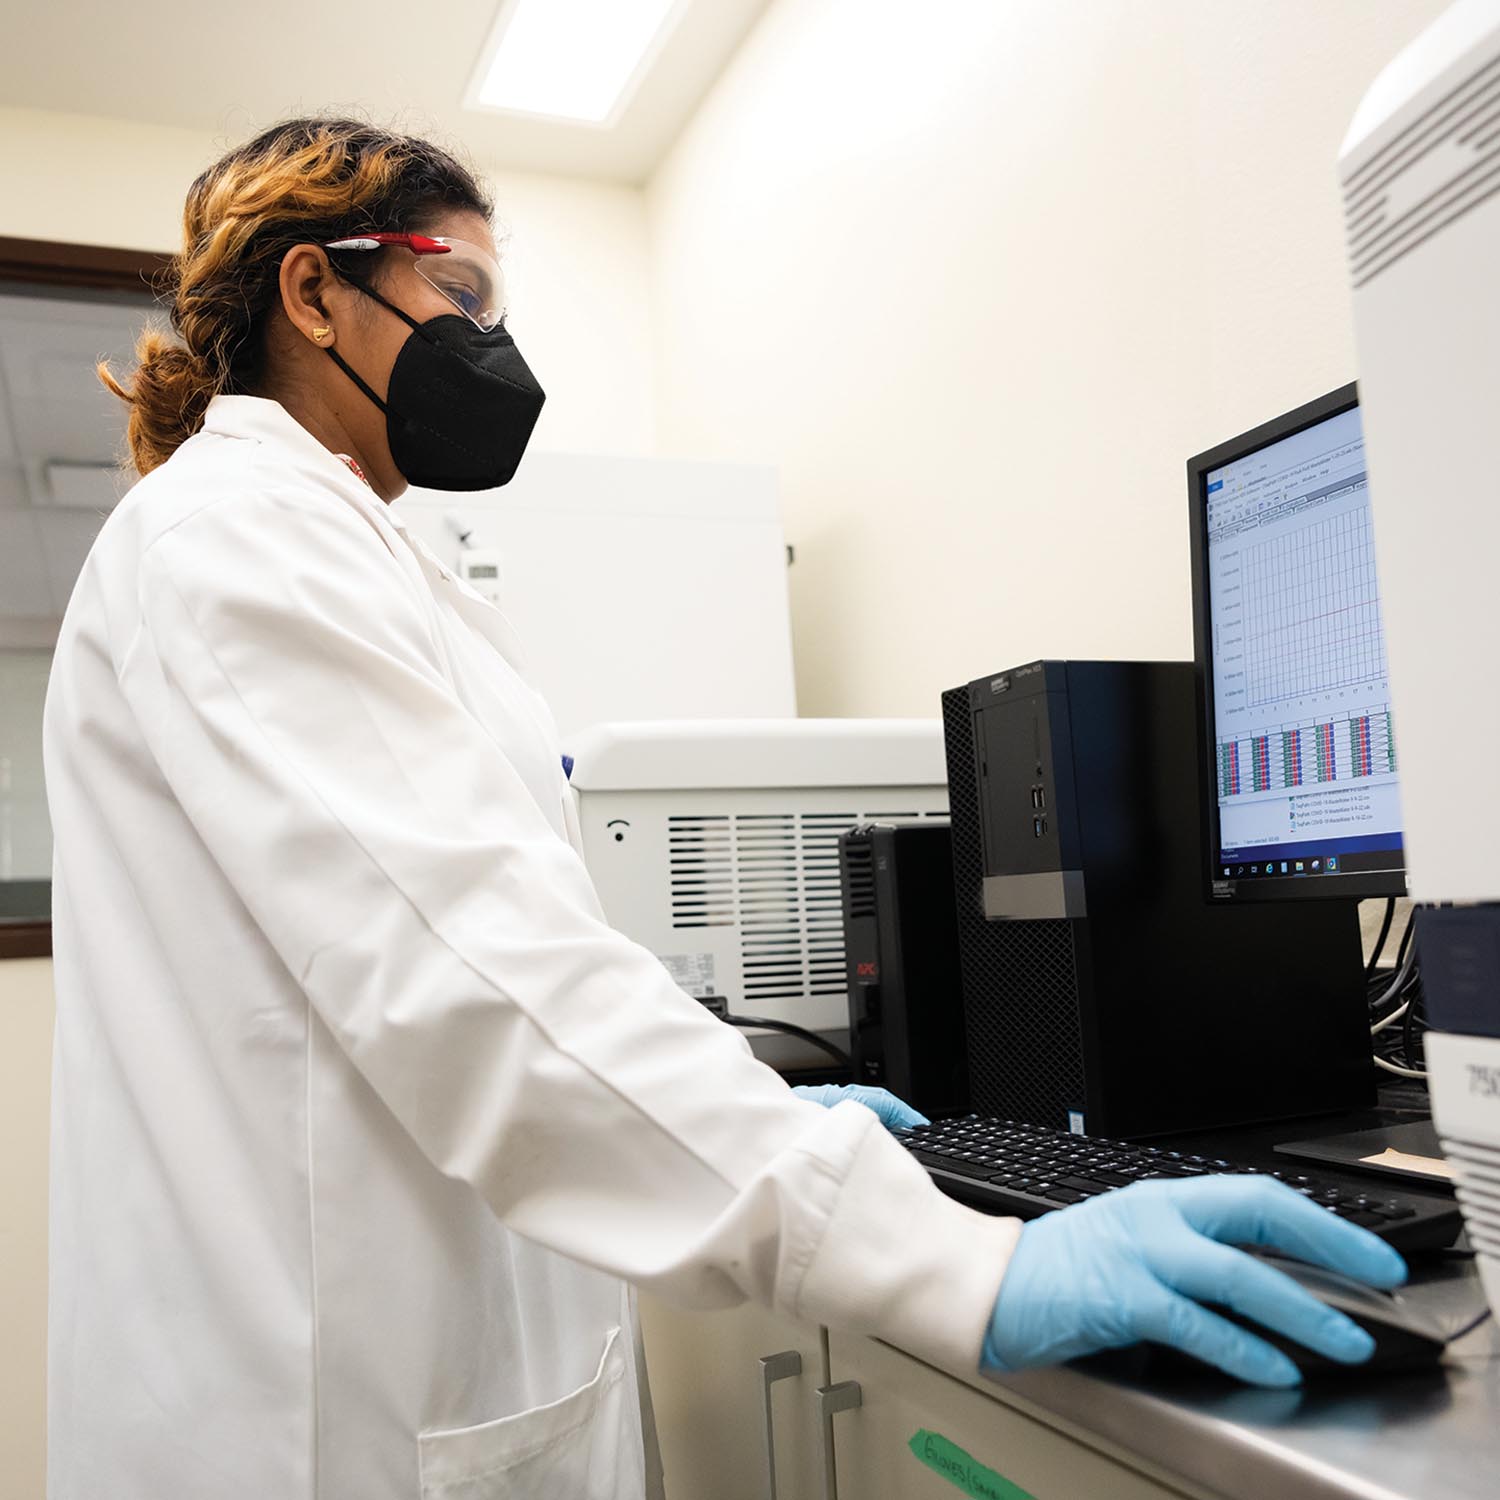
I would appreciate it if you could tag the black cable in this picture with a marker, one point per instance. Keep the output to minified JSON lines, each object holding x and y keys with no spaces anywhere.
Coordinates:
{"x":1393,"y":989}
{"x":811,"y":1037}
{"x":1385,"y":932}
{"x":1408,"y":1024}
{"x":1469,"y":1327}
{"x":1398,"y":998}
{"x":1406,"y":937}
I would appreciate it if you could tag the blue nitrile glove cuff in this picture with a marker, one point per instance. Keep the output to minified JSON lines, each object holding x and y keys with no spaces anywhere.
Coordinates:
{"x":894,"y":1114}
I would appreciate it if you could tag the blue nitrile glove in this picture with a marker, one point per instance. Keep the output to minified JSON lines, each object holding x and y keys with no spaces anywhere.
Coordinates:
{"x":1136,"y":1263}
{"x":894,"y":1115}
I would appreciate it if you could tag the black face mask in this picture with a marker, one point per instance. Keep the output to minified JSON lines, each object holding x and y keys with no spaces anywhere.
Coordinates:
{"x":461,"y":403}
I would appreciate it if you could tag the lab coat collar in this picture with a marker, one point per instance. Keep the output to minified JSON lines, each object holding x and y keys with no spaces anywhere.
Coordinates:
{"x":261,"y":420}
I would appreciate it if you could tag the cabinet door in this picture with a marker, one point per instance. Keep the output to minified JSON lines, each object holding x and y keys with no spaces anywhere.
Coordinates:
{"x":919,"y":1434}
{"x":709,"y":1391}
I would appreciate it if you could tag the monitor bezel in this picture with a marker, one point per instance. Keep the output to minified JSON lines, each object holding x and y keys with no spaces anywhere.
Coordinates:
{"x":1356,"y":885}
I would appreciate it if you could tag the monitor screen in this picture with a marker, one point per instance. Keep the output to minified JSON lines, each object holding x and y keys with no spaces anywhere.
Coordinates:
{"x":1304,"y":785}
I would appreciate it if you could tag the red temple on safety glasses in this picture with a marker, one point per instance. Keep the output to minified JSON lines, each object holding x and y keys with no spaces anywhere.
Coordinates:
{"x":418,"y":244}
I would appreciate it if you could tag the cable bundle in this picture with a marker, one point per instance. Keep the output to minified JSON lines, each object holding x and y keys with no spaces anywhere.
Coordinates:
{"x":1397,"y":1017}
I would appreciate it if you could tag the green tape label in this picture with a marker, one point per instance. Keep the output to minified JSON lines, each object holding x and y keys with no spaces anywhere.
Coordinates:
{"x":962,"y":1470}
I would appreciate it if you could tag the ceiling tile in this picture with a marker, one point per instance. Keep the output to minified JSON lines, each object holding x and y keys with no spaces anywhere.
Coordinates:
{"x":52,"y":405}
{"x":73,"y":431}
{"x":24,"y":584}
{"x":66,"y":536}
{"x":13,"y":488}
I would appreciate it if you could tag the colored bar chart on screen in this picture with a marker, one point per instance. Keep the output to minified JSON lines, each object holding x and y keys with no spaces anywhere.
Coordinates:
{"x":1352,"y":747}
{"x":1229,"y":769}
{"x":1261,"y":750}
{"x":1359,"y":744}
{"x":1291,"y":757}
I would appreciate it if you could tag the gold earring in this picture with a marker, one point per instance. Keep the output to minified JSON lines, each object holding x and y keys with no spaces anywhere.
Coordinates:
{"x":321,"y":333}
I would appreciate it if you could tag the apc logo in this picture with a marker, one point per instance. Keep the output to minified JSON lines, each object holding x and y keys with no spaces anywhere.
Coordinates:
{"x":867,"y":971}
{"x":1484,"y":1081}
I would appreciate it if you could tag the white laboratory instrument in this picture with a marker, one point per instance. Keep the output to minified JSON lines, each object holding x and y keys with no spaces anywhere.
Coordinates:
{"x":1420,"y":174}
{"x":640,"y":588}
{"x":715,"y":844}
{"x":480,"y":568}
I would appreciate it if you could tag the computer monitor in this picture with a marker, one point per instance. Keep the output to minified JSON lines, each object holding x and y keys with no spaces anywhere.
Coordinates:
{"x":1301,"y":790}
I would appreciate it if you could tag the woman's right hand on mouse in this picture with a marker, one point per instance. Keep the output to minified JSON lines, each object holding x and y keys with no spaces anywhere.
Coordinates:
{"x":1139,"y":1262}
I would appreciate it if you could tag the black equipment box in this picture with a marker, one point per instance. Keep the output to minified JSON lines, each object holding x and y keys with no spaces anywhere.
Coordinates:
{"x":906,"y":1024}
{"x":1103,"y":992}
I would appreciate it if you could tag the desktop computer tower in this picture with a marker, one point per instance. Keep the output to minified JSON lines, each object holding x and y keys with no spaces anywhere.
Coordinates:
{"x":906,"y":1019}
{"x":1103,"y":991}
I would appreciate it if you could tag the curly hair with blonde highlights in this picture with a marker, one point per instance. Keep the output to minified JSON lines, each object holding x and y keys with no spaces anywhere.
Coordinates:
{"x":306,"y":180}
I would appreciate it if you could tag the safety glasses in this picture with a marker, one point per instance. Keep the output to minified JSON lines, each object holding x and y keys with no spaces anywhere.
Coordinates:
{"x":470,"y":278}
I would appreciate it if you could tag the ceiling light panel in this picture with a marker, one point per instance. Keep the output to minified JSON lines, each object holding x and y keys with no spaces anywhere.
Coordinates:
{"x":575,"y":60}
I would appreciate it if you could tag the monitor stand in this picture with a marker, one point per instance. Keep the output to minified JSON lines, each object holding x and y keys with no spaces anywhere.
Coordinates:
{"x":1409,"y":1151}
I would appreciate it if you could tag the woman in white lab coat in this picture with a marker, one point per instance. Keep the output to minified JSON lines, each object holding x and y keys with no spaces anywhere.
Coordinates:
{"x":364,"y":1119}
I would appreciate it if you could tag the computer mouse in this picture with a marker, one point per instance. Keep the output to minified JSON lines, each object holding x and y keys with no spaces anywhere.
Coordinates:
{"x":1405,"y":1339}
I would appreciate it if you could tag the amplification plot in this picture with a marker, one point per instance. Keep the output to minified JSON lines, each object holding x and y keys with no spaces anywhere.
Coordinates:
{"x":1312,"y":610}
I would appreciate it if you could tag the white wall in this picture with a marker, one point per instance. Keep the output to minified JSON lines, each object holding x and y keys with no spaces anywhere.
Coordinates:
{"x":25,"y":1071}
{"x":978,"y":278}
{"x":577,"y":260}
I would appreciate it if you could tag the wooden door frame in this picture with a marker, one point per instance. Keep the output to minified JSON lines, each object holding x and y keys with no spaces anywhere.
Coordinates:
{"x":100,"y":268}
{"x":25,"y":940}
{"x":36,"y":264}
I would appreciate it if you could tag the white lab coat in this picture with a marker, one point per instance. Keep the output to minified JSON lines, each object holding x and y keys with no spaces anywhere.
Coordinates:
{"x":363,"y":1117}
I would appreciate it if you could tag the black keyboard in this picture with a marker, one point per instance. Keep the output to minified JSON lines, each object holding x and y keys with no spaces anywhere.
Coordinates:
{"x":1027,"y":1170}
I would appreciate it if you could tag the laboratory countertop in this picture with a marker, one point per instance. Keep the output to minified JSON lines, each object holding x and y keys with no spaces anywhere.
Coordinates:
{"x":1426,"y":1435}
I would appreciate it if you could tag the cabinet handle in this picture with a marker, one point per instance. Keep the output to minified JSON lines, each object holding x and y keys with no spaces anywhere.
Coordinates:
{"x":832,"y":1399}
{"x":774,"y":1367}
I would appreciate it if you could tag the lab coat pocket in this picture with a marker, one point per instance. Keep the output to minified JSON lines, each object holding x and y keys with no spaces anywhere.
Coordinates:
{"x":570,"y":1449}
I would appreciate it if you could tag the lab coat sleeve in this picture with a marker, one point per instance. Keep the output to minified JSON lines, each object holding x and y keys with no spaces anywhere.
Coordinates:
{"x":290,"y":680}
